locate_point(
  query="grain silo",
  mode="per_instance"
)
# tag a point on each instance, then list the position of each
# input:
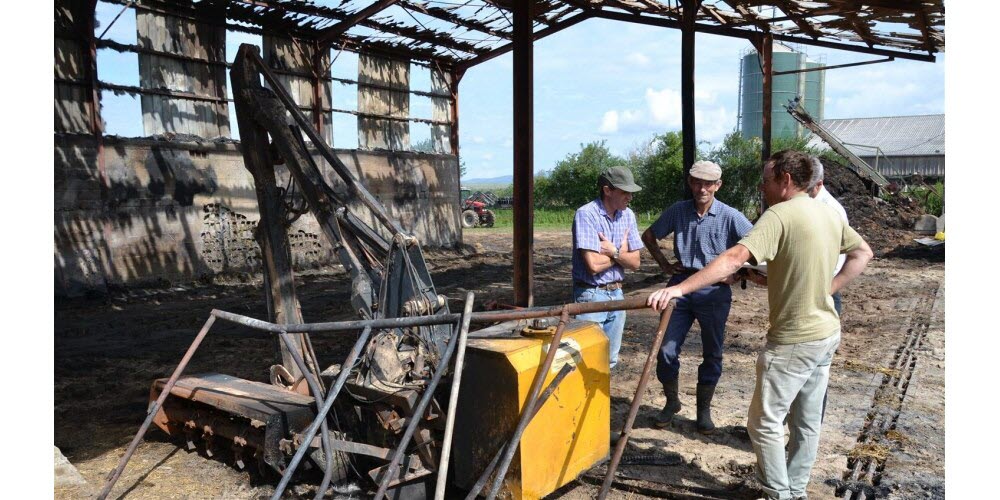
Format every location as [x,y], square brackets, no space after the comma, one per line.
[809,84]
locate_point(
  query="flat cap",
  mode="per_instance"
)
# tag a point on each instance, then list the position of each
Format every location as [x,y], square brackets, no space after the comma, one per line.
[706,171]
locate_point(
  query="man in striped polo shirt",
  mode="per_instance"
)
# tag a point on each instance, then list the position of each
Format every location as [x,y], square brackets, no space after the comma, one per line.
[605,243]
[703,227]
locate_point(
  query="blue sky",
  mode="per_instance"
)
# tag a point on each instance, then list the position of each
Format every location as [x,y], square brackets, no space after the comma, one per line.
[598,80]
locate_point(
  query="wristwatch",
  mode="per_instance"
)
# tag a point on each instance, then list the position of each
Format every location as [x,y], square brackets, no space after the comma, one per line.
[615,256]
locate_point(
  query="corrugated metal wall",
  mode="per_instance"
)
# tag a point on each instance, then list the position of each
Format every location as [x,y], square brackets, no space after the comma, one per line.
[160,114]
[295,56]
[390,128]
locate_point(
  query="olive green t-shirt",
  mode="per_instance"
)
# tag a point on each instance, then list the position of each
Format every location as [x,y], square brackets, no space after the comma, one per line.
[800,240]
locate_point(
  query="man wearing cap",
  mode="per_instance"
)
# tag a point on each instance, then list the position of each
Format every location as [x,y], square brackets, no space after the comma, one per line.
[703,227]
[800,239]
[605,243]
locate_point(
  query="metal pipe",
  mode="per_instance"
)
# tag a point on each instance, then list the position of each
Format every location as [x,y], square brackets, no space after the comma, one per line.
[688,138]
[318,398]
[440,319]
[536,387]
[456,381]
[524,155]
[411,424]
[321,417]
[563,372]
[647,369]
[154,408]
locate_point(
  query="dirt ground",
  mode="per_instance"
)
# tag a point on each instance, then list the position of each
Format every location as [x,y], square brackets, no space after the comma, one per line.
[886,399]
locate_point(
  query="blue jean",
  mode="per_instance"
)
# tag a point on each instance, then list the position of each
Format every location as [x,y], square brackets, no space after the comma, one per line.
[710,306]
[791,383]
[612,322]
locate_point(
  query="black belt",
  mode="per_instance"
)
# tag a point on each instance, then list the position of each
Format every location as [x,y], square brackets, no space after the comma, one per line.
[617,285]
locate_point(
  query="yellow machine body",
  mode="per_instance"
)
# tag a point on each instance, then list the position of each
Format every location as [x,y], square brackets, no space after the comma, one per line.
[571,432]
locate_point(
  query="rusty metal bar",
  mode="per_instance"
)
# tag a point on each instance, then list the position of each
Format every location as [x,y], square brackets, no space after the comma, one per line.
[155,407]
[524,157]
[563,372]
[837,66]
[317,391]
[555,28]
[463,336]
[321,416]
[411,425]
[574,309]
[526,413]
[334,31]
[647,369]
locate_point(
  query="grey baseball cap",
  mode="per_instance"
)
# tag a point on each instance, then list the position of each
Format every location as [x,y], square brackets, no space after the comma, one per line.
[706,171]
[621,178]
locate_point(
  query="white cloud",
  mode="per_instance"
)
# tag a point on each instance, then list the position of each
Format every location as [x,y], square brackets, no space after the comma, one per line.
[637,59]
[664,106]
[609,123]
[487,156]
[478,139]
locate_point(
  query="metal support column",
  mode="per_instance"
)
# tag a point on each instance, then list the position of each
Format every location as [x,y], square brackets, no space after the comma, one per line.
[767,43]
[456,76]
[524,182]
[688,16]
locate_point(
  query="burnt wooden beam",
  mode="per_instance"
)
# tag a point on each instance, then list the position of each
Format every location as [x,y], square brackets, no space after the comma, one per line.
[445,15]
[555,28]
[333,32]
[804,25]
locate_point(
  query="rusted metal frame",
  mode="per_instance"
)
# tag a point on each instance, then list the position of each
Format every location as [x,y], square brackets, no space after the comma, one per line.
[524,155]
[161,8]
[791,17]
[456,382]
[575,308]
[329,34]
[529,404]
[353,185]
[317,87]
[712,11]
[113,21]
[153,409]
[539,404]
[800,21]
[271,233]
[555,28]
[316,387]
[688,139]
[444,15]
[640,389]
[862,29]
[389,473]
[824,68]
[751,16]
[925,30]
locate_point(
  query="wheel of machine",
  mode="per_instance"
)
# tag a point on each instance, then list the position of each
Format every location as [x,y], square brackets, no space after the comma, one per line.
[469,218]
[488,218]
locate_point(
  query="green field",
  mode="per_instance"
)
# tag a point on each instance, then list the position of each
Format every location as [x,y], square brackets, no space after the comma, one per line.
[557,218]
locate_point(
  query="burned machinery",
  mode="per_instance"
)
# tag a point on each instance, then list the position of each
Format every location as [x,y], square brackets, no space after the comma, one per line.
[394,425]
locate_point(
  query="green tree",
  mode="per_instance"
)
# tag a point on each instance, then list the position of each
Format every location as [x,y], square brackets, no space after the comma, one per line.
[660,172]
[573,181]
[424,146]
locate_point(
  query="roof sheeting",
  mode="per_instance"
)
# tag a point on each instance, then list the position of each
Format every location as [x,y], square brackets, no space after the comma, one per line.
[918,135]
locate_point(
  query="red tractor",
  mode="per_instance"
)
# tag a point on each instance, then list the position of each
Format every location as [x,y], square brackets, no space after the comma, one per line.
[474,212]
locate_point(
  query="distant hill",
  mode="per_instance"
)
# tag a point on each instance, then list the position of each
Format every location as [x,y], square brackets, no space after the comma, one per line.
[503,179]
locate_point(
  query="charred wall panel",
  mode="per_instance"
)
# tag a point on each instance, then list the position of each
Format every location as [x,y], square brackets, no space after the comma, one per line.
[441,134]
[72,86]
[388,128]
[296,56]
[163,114]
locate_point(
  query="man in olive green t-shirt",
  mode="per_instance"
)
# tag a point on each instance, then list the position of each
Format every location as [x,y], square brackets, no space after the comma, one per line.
[800,239]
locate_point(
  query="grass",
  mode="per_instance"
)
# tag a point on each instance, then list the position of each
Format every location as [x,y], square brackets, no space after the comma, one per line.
[559,218]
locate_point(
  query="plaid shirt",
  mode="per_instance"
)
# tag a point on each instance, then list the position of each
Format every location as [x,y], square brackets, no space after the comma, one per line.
[591,219]
[699,240]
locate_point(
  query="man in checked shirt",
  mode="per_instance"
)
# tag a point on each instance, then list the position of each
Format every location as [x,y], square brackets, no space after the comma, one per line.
[703,228]
[605,243]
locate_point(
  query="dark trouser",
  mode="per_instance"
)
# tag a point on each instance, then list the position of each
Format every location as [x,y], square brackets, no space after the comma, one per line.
[710,306]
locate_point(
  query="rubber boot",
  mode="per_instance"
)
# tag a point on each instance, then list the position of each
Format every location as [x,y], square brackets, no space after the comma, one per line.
[704,422]
[670,409]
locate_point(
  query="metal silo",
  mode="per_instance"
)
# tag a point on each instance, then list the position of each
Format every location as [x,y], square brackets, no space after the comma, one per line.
[810,85]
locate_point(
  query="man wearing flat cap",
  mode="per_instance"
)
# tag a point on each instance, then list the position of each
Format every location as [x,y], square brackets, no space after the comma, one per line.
[703,227]
[605,243]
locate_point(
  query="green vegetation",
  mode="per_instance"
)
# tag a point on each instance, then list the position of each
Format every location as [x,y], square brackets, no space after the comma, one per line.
[931,198]
[558,218]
